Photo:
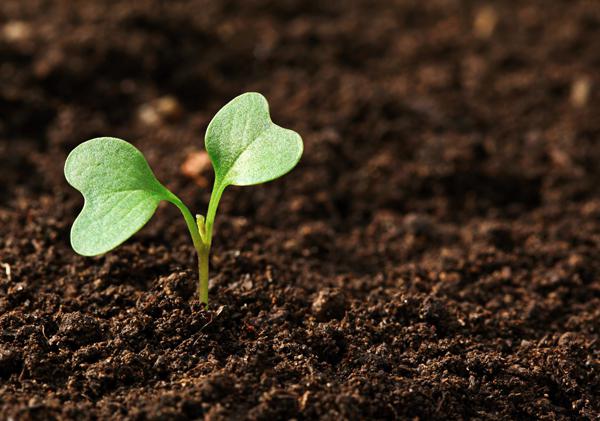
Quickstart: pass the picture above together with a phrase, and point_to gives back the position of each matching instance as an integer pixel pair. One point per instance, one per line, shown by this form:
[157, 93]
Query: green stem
[203, 262]
[201, 233]
[215, 197]
[201, 249]
[205, 227]
[189, 221]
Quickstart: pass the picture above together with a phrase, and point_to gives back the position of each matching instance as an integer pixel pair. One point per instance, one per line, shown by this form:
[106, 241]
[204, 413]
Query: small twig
[6, 267]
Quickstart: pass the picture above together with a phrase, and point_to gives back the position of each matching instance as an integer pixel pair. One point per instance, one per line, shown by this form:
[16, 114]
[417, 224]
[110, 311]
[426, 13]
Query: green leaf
[246, 147]
[121, 193]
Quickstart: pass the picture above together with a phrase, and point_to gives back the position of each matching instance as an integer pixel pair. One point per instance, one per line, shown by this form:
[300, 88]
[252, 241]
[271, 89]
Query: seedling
[121, 192]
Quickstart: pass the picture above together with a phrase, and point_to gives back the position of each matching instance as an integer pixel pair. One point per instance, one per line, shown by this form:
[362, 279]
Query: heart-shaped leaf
[246, 147]
[121, 193]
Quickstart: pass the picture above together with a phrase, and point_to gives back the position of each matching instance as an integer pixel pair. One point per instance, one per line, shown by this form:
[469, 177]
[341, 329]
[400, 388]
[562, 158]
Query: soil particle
[10, 361]
[197, 167]
[76, 329]
[162, 110]
[275, 404]
[329, 304]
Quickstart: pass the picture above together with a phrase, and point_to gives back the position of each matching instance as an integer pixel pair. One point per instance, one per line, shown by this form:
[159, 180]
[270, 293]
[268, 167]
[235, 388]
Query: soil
[433, 256]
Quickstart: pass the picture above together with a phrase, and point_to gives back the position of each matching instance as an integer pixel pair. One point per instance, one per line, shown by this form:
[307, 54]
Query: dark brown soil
[434, 256]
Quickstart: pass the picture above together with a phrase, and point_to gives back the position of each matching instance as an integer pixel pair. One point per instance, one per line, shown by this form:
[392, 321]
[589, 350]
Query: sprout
[121, 192]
